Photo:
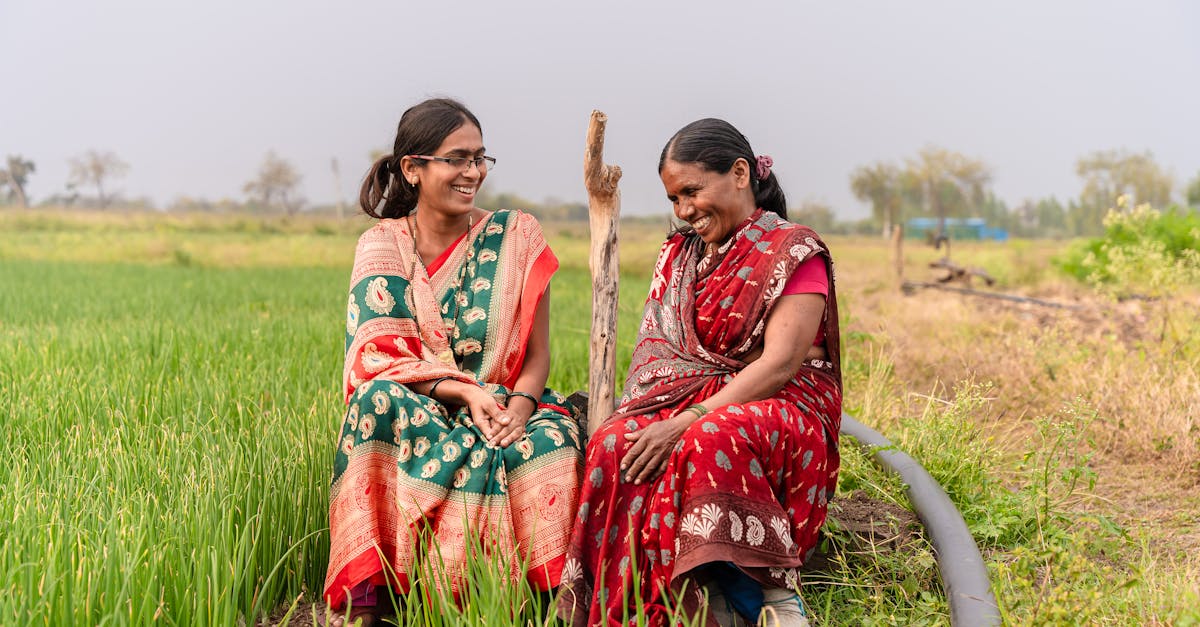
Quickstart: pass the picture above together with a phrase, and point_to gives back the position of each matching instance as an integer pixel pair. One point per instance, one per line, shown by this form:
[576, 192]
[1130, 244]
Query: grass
[162, 446]
[171, 385]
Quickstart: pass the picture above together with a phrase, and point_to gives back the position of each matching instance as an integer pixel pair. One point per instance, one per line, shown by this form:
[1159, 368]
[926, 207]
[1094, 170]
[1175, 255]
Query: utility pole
[337, 186]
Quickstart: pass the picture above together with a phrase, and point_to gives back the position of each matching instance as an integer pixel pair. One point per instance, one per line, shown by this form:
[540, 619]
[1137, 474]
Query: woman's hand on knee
[652, 445]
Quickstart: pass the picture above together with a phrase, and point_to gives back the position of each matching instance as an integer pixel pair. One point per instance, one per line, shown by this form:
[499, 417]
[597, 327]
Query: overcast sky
[192, 95]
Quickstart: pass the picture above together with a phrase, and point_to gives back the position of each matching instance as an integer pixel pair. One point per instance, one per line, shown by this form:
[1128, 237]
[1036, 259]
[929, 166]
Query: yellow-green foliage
[1143, 251]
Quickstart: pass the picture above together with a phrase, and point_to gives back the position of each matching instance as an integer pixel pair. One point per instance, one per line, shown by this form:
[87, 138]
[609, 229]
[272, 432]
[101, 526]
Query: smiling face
[442, 187]
[712, 203]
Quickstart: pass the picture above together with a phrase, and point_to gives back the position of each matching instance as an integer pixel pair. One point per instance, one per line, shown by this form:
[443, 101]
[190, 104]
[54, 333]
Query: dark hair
[715, 145]
[422, 129]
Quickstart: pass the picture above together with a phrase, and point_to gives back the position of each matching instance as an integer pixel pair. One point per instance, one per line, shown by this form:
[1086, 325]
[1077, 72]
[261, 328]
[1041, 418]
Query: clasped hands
[501, 425]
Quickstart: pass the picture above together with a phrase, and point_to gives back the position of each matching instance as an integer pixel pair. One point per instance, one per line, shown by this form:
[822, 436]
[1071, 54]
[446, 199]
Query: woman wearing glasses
[450, 439]
[716, 469]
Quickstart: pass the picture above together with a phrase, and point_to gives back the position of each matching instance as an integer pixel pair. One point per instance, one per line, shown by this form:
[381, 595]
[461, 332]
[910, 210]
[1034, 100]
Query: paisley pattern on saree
[405, 463]
[747, 483]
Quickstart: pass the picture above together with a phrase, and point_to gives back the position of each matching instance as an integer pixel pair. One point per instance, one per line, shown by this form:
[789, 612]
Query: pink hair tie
[762, 167]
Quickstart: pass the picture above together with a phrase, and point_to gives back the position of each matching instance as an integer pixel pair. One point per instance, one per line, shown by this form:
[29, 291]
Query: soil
[303, 616]
[858, 522]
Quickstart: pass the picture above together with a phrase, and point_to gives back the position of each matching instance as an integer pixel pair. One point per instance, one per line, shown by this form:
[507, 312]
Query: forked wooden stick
[604, 208]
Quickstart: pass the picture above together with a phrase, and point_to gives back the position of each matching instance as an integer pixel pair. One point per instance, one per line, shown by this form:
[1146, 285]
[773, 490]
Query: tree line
[273, 189]
[936, 182]
[941, 183]
[92, 175]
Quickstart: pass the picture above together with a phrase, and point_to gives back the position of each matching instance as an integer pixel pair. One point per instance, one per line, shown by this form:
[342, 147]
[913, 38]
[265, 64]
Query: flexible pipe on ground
[964, 575]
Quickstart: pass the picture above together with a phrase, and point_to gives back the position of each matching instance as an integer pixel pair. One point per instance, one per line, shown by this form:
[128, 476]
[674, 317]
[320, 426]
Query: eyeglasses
[462, 163]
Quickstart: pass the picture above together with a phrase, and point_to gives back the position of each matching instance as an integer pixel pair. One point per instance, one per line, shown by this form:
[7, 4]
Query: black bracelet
[531, 397]
[435, 384]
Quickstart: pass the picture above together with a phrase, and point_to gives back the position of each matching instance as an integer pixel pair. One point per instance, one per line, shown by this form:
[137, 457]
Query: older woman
[450, 430]
[717, 467]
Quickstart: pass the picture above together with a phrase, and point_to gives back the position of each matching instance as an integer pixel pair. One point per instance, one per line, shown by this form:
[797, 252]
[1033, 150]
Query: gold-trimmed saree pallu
[405, 463]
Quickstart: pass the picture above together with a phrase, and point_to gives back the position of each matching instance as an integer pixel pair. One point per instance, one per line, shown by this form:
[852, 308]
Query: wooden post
[898, 252]
[604, 208]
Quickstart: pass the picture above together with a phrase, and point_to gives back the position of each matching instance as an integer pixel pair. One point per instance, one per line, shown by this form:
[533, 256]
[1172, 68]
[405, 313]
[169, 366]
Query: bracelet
[697, 409]
[435, 384]
[531, 398]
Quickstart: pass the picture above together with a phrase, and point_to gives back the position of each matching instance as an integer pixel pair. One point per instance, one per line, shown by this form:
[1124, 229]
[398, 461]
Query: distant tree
[950, 182]
[880, 185]
[188, 204]
[1086, 220]
[1051, 217]
[505, 200]
[1193, 193]
[94, 168]
[813, 214]
[994, 210]
[275, 185]
[66, 198]
[562, 211]
[15, 176]
[550, 209]
[1044, 218]
[1024, 218]
[139, 203]
[1108, 174]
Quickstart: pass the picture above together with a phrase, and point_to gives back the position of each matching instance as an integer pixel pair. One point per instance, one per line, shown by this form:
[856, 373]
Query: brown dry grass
[1143, 390]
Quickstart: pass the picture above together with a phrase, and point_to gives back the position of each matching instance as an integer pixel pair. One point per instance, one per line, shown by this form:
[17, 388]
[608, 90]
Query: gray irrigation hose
[964, 575]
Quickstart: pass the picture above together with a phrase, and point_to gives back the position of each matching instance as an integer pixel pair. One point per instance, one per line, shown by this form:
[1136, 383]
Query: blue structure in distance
[956, 229]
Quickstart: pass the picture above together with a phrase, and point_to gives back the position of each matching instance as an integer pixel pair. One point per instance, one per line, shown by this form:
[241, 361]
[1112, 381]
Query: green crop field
[171, 384]
[171, 416]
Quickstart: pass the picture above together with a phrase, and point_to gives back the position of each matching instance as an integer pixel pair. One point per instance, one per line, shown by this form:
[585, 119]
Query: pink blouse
[810, 278]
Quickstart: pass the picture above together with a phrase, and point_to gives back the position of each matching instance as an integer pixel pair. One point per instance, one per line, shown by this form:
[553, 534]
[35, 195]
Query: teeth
[465, 190]
[701, 223]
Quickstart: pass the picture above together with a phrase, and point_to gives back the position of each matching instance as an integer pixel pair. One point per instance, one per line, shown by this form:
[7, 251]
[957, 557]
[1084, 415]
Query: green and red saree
[406, 463]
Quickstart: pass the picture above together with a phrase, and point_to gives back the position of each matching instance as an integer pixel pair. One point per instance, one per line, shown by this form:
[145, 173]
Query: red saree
[748, 483]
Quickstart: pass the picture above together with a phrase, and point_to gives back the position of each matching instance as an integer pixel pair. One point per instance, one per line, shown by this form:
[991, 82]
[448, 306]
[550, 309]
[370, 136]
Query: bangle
[531, 398]
[435, 384]
[697, 409]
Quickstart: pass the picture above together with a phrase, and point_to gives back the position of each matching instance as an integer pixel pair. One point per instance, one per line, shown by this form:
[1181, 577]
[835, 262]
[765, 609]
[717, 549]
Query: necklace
[447, 356]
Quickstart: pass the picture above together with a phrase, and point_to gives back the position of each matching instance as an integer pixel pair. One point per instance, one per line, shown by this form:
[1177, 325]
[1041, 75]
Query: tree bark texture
[604, 209]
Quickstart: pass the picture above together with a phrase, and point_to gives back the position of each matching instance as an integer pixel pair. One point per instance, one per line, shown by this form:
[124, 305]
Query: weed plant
[1140, 247]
